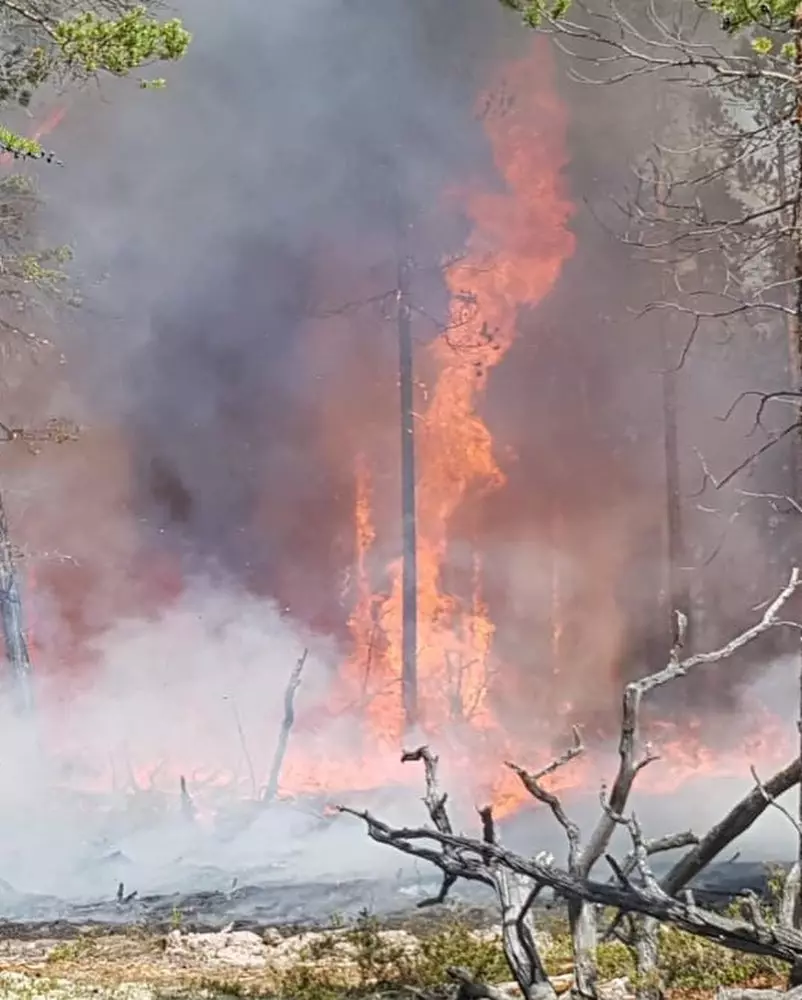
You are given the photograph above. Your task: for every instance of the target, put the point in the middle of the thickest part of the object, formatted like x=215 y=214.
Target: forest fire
x=348 y=739
x=519 y=242
x=513 y=257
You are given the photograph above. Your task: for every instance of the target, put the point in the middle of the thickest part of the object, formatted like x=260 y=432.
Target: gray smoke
x=268 y=184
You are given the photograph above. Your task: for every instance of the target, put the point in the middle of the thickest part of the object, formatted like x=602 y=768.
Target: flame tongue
x=518 y=244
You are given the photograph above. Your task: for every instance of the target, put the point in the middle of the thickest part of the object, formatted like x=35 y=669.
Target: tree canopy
x=772 y=16
x=52 y=41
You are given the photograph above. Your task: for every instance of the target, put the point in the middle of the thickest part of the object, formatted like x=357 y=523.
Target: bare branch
x=286 y=726
x=435 y=803
x=736 y=822
x=531 y=781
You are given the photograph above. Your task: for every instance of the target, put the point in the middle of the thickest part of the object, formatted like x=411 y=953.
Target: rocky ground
x=230 y=962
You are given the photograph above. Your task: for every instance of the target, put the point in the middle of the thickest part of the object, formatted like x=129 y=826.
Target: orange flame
x=513 y=257
x=518 y=245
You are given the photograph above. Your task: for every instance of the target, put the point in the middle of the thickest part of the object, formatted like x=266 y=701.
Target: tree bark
x=518 y=937
x=647 y=953
x=582 y=918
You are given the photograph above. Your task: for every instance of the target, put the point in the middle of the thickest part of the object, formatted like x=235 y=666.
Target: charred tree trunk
x=409 y=639
x=17 y=654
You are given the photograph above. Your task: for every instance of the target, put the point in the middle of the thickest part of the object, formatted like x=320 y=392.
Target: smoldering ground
x=203 y=522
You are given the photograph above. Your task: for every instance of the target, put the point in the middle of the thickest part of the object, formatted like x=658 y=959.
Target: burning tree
x=717 y=201
x=518 y=880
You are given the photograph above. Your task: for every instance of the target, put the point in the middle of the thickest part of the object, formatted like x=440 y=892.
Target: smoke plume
x=233 y=235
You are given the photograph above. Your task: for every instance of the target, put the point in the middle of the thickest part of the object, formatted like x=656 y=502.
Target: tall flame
x=519 y=241
x=513 y=256
x=518 y=244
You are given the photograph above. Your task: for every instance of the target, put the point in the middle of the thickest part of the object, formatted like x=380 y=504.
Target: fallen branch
x=741 y=935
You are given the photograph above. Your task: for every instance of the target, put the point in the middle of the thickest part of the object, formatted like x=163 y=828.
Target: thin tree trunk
x=409 y=640
x=795 y=376
x=676 y=583
x=17 y=654
x=647 y=953
x=286 y=728
x=582 y=918
x=518 y=938
x=795 y=349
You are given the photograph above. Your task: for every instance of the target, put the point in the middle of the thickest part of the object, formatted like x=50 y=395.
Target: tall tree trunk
x=676 y=580
x=409 y=640
x=795 y=348
x=16 y=647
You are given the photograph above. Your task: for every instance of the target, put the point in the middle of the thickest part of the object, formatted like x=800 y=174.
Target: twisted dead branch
x=518 y=880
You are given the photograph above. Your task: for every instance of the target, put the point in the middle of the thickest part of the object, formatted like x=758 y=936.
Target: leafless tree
x=518 y=880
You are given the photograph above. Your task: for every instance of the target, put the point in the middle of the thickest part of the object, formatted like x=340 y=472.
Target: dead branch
x=531 y=782
x=187 y=805
x=284 y=735
x=515 y=894
x=790 y=889
x=518 y=879
x=467 y=862
x=435 y=803
x=124 y=899
x=737 y=821
x=629 y=765
x=470 y=989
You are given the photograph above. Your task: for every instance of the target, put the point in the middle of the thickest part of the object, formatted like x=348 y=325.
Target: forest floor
x=361 y=959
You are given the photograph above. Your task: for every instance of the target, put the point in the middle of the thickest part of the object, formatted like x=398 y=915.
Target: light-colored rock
x=335 y=948
x=241 y=949
x=17 y=986
x=616 y=989
x=543 y=940
x=510 y=989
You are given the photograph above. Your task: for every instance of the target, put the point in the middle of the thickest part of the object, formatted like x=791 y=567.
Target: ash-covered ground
x=290 y=867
